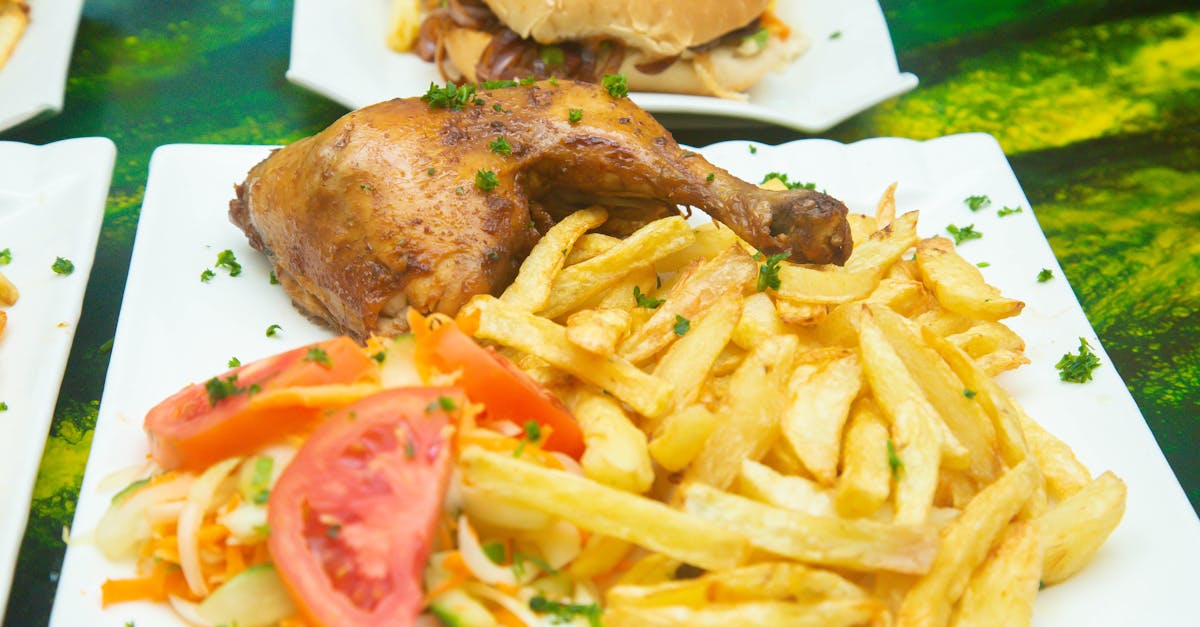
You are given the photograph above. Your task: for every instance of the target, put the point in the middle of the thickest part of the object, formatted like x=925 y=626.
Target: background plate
x=33 y=79
x=338 y=50
x=51 y=205
x=174 y=329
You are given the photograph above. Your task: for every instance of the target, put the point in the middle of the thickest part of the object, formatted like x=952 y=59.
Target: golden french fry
x=828 y=613
x=616 y=452
x=803 y=314
x=8 y=292
x=403 y=24
x=623 y=294
x=758 y=321
x=986 y=336
x=828 y=286
x=953 y=401
x=598 y=330
x=712 y=239
x=688 y=360
x=600 y=554
x=1074 y=529
x=14 y=18
x=817 y=408
x=793 y=492
x=652 y=569
x=3 y=321
x=600 y=509
x=959 y=285
x=590 y=245
x=731 y=271
x=681 y=435
x=1002 y=591
x=575 y=284
x=861 y=227
x=530 y=291
x=751 y=422
x=904 y=296
x=774 y=581
x=865 y=481
x=646 y=394
x=856 y=544
x=885 y=211
x=965 y=543
x=885 y=246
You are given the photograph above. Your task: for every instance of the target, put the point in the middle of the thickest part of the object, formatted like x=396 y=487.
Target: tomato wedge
x=506 y=392
x=207 y=422
x=352 y=517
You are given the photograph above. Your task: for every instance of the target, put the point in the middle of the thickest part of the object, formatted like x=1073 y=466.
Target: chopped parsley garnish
x=1007 y=211
x=500 y=146
x=528 y=80
x=207 y=275
x=501 y=84
x=645 y=301
x=1045 y=275
x=274 y=280
x=62 y=266
x=566 y=612
x=837 y=34
x=451 y=96
x=975 y=203
x=431 y=171
x=711 y=176
x=894 y=460
x=260 y=479
x=783 y=178
x=226 y=259
x=495 y=551
x=410 y=449
x=317 y=355
x=380 y=356
x=333 y=530
x=533 y=431
x=552 y=56
x=519 y=559
x=983 y=264
x=3 y=406
x=497 y=108
x=759 y=38
x=969 y=393
x=220 y=389
x=486 y=180
x=768 y=273
x=1078 y=368
x=444 y=403
x=616 y=85
x=366 y=187
x=574 y=115
x=753 y=149
x=234 y=362
x=5 y=257
x=273 y=330
x=962 y=234
x=553 y=80
x=682 y=325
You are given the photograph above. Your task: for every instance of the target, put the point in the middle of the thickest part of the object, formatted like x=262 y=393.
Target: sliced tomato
x=489 y=378
x=352 y=517
x=193 y=428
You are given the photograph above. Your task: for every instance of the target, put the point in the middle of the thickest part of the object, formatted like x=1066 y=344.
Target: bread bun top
x=658 y=27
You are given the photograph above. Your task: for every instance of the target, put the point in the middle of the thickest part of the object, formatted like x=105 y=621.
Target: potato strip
x=530 y=291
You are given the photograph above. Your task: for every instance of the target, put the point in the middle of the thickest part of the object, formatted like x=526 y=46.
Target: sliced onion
x=199 y=498
x=478 y=562
x=515 y=607
x=125 y=525
x=187 y=611
x=122 y=477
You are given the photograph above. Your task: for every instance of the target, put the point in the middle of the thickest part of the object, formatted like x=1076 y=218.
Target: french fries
x=14 y=18
x=530 y=291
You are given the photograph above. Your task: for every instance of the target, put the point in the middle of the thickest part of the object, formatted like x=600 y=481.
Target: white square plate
x=33 y=79
x=51 y=205
x=174 y=330
x=339 y=51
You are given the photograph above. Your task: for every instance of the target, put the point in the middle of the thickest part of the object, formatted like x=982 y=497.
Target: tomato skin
x=186 y=431
x=352 y=517
x=489 y=378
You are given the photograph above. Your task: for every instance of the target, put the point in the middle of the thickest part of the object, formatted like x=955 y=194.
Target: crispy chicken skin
x=382 y=209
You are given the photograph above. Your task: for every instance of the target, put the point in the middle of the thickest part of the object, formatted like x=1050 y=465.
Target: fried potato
x=8 y=292
x=403 y=24
x=590 y=245
x=804 y=284
x=14 y=18
x=904 y=296
x=884 y=247
x=530 y=291
x=758 y=321
x=600 y=509
x=646 y=394
x=865 y=481
x=1002 y=591
x=965 y=543
x=600 y=554
x=575 y=284
x=856 y=544
x=817 y=408
x=771 y=581
x=712 y=239
x=598 y=330
x=623 y=294
x=681 y=435
x=793 y=492
x=885 y=211
x=959 y=285
x=732 y=271
x=830 y=613
x=688 y=361
x=3 y=321
x=616 y=453
x=802 y=314
x=1075 y=528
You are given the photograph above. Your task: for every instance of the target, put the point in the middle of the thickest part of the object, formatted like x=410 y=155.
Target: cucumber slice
x=253 y=597
x=399 y=368
x=456 y=608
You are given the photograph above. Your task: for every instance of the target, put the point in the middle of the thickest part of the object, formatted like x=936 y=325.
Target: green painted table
x=1097 y=104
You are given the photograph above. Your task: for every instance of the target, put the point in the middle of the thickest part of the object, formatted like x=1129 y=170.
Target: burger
x=706 y=47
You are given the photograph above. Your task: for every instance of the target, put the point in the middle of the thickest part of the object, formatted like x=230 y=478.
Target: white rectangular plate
x=33 y=79
x=174 y=330
x=339 y=51
x=51 y=205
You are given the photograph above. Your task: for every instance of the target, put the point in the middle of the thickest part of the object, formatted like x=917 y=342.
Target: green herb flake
x=273 y=330
x=62 y=266
x=3 y=406
x=234 y=362
x=1078 y=368
x=207 y=275
x=574 y=115
x=615 y=85
x=333 y=531
x=380 y=356
x=552 y=56
x=486 y=180
x=894 y=460
x=431 y=171
x=219 y=389
x=645 y=301
x=260 y=479
x=759 y=38
x=226 y=259
x=783 y=178
x=962 y=234
x=500 y=146
x=533 y=431
x=711 y=177
x=446 y=403
x=753 y=149
x=1045 y=275
x=1007 y=211
x=317 y=355
x=527 y=81
x=366 y=187
x=566 y=612
x=495 y=551
x=501 y=84
x=682 y=325
x=969 y=393
x=975 y=203
x=768 y=273
x=983 y=264
x=5 y=257
x=451 y=97
x=835 y=35
x=520 y=449
x=497 y=108
x=273 y=280
x=410 y=449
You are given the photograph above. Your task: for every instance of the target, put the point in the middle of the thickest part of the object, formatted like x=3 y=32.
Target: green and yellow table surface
x=1095 y=102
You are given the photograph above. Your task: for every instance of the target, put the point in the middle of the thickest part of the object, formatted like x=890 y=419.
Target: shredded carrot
x=459 y=573
x=445 y=535
x=506 y=588
x=776 y=26
x=506 y=618
x=211 y=534
x=261 y=554
x=235 y=562
x=510 y=445
x=149 y=588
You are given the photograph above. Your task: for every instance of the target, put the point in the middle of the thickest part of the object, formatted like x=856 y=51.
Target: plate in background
x=33 y=80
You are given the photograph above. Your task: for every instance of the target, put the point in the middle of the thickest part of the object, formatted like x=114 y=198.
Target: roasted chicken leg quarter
x=407 y=203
